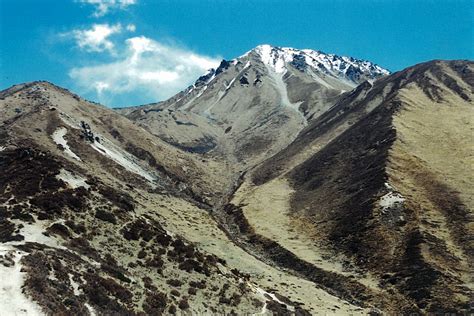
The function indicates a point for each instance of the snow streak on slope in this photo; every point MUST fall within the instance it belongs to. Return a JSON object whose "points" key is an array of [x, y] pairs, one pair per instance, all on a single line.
{"points": [[391, 199], [267, 296], [209, 75], [12, 299], [58, 137], [74, 181], [108, 149], [276, 70]]}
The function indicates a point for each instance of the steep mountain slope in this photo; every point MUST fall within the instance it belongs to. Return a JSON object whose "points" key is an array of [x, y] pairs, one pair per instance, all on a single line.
{"points": [[353, 189], [252, 107], [380, 187], [98, 216], [283, 182]]}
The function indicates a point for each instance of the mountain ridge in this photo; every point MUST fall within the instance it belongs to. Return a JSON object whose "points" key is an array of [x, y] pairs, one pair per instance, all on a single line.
{"points": [[307, 53], [356, 182], [223, 111], [365, 206]]}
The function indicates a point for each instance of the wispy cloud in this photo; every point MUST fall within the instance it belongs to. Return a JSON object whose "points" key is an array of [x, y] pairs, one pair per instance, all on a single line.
{"points": [[96, 39], [102, 7], [148, 67], [131, 28]]}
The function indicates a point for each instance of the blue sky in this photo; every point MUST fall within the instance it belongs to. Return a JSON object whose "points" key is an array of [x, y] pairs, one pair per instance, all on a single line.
{"points": [[128, 52]]}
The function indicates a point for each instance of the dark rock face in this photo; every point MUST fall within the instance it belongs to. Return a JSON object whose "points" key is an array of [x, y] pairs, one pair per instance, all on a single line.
{"points": [[204, 145], [222, 67], [243, 80], [203, 79], [213, 72], [353, 73], [299, 62], [87, 132]]}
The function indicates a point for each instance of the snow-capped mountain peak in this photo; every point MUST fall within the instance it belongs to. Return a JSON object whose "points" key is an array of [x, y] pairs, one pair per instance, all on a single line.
{"points": [[275, 57], [313, 63], [352, 69]]}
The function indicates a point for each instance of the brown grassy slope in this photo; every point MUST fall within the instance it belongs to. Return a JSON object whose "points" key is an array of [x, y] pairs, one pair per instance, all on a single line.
{"points": [[128, 248], [339, 188], [351, 107], [34, 111]]}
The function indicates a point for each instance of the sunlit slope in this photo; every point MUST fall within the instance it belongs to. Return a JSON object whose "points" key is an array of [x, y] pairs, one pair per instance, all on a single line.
{"points": [[381, 188]]}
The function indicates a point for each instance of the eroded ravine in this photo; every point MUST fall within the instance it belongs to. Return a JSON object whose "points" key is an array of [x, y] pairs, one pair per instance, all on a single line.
{"points": [[234, 224]]}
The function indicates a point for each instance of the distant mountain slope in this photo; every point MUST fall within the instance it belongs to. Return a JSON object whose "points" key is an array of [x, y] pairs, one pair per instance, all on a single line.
{"points": [[384, 180], [251, 107]]}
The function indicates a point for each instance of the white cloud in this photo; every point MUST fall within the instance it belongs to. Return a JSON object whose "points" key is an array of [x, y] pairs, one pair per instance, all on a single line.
{"points": [[102, 7], [131, 28], [147, 67], [96, 38]]}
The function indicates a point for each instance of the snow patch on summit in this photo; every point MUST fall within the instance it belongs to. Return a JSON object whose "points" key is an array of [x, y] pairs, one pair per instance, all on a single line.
{"points": [[275, 61], [341, 67], [275, 58]]}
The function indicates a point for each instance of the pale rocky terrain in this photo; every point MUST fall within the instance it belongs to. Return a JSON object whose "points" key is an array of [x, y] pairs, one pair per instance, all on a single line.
{"points": [[287, 182], [251, 107]]}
